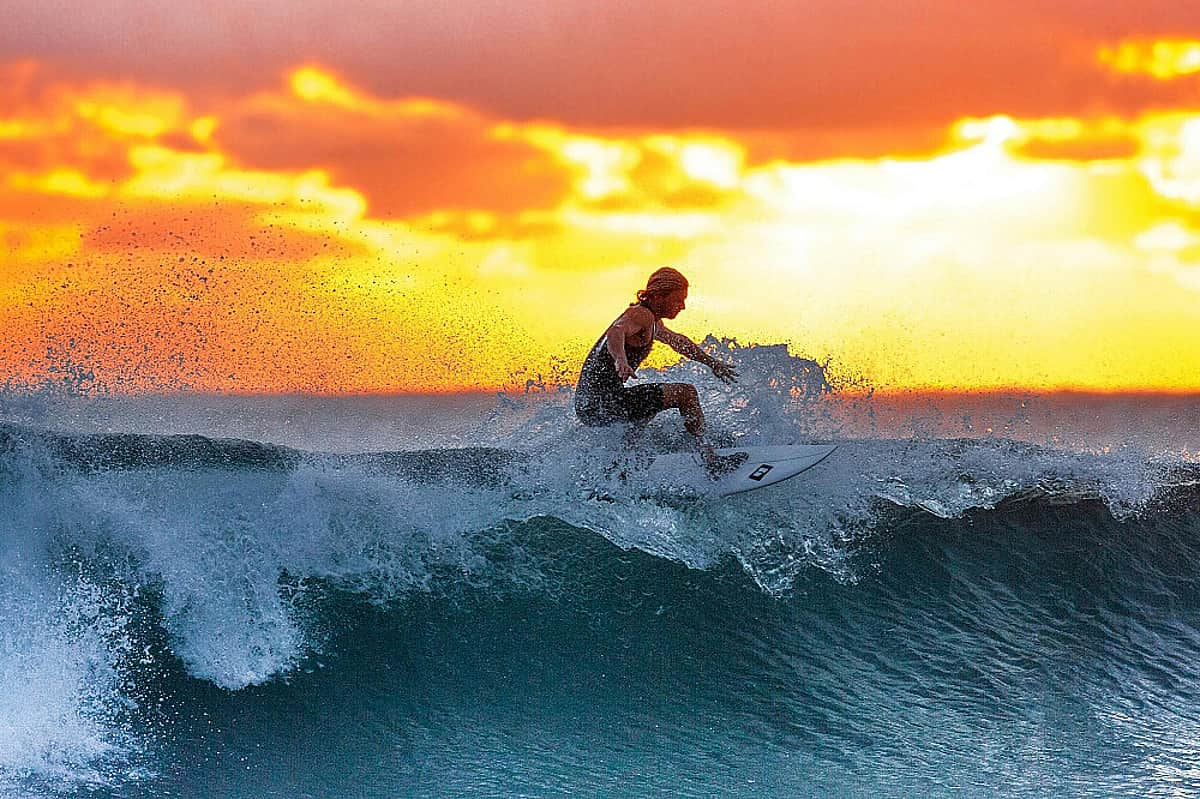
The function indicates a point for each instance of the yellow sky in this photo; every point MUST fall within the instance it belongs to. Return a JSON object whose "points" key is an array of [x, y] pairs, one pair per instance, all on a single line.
{"points": [[312, 235]]}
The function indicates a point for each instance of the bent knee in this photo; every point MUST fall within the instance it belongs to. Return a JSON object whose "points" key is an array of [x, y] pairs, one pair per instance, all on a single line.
{"points": [[678, 395]]}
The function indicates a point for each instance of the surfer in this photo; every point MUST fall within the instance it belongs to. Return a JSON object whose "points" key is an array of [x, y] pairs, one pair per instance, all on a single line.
{"points": [[601, 397]]}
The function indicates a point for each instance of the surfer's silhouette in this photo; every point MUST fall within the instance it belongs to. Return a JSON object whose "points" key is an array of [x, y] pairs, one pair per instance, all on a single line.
{"points": [[601, 397]]}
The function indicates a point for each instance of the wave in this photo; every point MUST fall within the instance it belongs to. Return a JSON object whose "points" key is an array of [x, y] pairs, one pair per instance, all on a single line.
{"points": [[133, 565], [205, 573]]}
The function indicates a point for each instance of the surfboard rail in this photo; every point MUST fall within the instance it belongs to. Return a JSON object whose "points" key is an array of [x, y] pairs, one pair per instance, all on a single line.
{"points": [[764, 466]]}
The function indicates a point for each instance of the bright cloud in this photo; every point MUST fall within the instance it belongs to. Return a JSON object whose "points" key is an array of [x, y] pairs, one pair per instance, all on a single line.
{"points": [[1162, 59], [320, 236]]}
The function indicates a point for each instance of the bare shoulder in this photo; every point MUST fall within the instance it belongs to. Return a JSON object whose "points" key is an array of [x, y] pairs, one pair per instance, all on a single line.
{"points": [[635, 318]]}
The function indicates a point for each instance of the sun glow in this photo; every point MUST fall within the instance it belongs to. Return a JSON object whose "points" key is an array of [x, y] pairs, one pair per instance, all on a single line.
{"points": [[314, 85], [605, 166], [60, 181], [167, 174], [240, 244], [1164, 59]]}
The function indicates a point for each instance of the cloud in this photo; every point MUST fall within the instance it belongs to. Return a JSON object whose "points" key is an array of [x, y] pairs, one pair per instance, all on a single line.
{"points": [[312, 141], [224, 230], [47, 121], [317, 234], [1099, 148], [485, 226], [406, 157], [822, 65]]}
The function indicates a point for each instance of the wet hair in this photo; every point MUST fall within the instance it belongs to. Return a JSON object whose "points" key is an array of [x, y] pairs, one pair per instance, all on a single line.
{"points": [[663, 281]]}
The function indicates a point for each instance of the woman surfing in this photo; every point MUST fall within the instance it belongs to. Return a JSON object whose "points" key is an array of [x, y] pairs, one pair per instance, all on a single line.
{"points": [[601, 397]]}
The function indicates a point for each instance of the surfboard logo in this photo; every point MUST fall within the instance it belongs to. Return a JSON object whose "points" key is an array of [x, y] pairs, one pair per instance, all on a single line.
{"points": [[760, 472]]}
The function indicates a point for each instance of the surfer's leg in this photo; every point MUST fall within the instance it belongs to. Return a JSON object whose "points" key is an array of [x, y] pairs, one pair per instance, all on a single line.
{"points": [[684, 397], [642, 403], [634, 406]]}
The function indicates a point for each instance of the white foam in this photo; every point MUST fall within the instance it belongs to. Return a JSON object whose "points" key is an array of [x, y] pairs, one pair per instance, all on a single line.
{"points": [[63, 695], [228, 548]]}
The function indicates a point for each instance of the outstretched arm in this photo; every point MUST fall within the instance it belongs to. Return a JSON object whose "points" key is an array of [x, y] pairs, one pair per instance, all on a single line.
{"points": [[690, 349]]}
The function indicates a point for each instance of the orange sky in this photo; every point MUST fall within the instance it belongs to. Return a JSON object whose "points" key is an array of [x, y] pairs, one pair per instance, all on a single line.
{"points": [[346, 197]]}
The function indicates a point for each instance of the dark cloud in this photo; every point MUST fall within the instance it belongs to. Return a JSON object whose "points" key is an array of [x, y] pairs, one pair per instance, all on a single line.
{"points": [[99, 157], [403, 164], [406, 159]]}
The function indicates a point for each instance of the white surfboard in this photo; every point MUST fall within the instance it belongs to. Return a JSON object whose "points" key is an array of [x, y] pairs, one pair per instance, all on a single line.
{"points": [[763, 466]]}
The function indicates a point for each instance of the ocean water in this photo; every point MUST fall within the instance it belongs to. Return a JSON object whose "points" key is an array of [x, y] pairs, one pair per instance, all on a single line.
{"points": [[455, 596]]}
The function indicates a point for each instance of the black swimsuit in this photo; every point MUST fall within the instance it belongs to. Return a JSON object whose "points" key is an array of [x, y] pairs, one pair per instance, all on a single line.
{"points": [[601, 397]]}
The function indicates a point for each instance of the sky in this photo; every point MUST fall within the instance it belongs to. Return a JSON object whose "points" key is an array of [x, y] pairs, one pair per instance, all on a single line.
{"points": [[370, 196]]}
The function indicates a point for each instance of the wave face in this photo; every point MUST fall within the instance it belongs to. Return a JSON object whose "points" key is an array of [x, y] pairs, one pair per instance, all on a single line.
{"points": [[921, 614]]}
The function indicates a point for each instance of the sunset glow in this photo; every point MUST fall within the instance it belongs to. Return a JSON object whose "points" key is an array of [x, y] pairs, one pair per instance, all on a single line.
{"points": [[1163, 60], [311, 231]]}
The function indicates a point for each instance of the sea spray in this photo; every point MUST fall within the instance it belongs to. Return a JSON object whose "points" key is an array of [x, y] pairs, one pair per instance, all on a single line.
{"points": [[150, 579]]}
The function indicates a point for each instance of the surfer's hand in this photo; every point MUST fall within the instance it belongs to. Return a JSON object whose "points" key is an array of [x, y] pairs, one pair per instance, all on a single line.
{"points": [[725, 372], [625, 371]]}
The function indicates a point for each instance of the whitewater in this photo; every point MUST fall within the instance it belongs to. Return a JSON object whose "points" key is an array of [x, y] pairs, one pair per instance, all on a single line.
{"points": [[459, 596]]}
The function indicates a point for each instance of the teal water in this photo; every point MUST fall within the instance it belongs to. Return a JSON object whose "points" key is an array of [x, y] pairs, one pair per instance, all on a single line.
{"points": [[924, 614], [980, 661]]}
